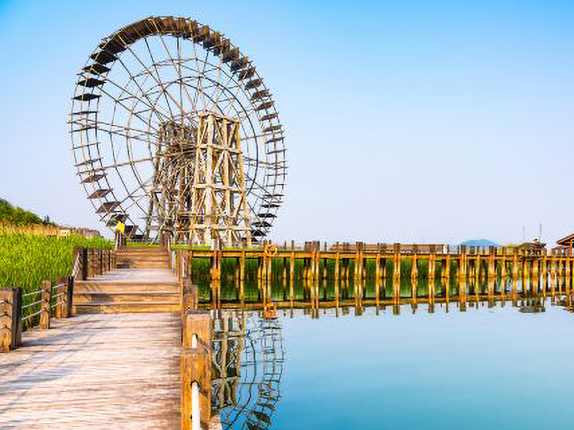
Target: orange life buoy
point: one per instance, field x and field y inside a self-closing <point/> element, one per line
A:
<point x="270" y="250"/>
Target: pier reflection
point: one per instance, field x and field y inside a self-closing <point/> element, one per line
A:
<point x="527" y="295"/>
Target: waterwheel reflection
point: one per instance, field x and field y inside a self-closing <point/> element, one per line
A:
<point x="247" y="368"/>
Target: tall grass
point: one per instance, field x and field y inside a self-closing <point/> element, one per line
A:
<point x="28" y="257"/>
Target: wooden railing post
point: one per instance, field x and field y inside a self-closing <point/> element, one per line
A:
<point x="195" y="370"/>
<point x="85" y="264"/>
<point x="10" y="318"/>
<point x="188" y="296"/>
<point x="77" y="256"/>
<point x="89" y="265"/>
<point x="61" y="298"/>
<point x="94" y="260"/>
<point x="69" y="304"/>
<point x="45" y="305"/>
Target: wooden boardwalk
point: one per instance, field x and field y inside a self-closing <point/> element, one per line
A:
<point x="106" y="371"/>
<point x="127" y="360"/>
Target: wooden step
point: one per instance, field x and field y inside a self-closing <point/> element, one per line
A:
<point x="126" y="307"/>
<point x="155" y="253"/>
<point x="144" y="265"/>
<point x="146" y="256"/>
<point x="144" y="248"/>
<point x="142" y="251"/>
<point x="123" y="296"/>
<point x="147" y="261"/>
<point x="122" y="286"/>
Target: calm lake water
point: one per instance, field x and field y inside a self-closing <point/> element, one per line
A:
<point x="501" y="367"/>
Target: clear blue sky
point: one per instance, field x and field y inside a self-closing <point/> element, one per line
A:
<point x="413" y="121"/>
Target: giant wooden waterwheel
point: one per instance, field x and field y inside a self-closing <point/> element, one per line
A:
<point x="143" y="109"/>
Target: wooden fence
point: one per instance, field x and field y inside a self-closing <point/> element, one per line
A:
<point x="20" y="311"/>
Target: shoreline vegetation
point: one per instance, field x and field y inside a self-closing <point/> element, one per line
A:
<point x="33" y="250"/>
<point x="29" y="256"/>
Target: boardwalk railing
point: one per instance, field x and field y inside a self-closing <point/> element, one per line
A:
<point x="91" y="262"/>
<point x="196" y="359"/>
<point x="21" y="311"/>
<point x="52" y="300"/>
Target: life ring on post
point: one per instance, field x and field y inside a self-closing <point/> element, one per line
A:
<point x="270" y="250"/>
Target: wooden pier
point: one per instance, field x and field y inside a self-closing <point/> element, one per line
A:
<point x="357" y="261"/>
<point x="128" y="358"/>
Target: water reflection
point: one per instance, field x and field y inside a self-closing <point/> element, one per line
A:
<point x="247" y="368"/>
<point x="328" y="293"/>
<point x="249" y="353"/>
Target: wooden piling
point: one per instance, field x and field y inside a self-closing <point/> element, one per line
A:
<point x="431" y="263"/>
<point x="10" y="318"/>
<point x="414" y="264"/>
<point x="378" y="263"/>
<point x="503" y="268"/>
<point x="462" y="291"/>
<point x="515" y="264"/>
<point x="195" y="370"/>
<point x="337" y="264"/>
<point x="357" y="262"/>
<point x="414" y="290"/>
<point x="45" y="305"/>
<point x="492" y="272"/>
<point x="397" y="262"/>
<point x="445" y="271"/>
<point x="554" y="267"/>
<point x="535" y="269"/>
<point x="462" y="263"/>
<point x="242" y="266"/>
<point x="269" y="271"/>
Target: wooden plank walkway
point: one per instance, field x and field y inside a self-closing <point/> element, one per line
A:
<point x="112" y="371"/>
<point x="157" y="275"/>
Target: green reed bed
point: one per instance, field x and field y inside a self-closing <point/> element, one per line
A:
<point x="201" y="268"/>
<point x="28" y="259"/>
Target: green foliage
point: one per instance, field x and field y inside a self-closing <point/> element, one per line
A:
<point x="18" y="216"/>
<point x="27" y="259"/>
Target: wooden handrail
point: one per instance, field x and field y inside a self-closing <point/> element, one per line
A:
<point x="87" y="261"/>
<point x="90" y="262"/>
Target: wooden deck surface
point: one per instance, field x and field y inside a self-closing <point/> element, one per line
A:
<point x="137" y="275"/>
<point x="118" y="371"/>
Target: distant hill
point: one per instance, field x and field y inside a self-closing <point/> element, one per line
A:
<point x="479" y="242"/>
<point x="15" y="215"/>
